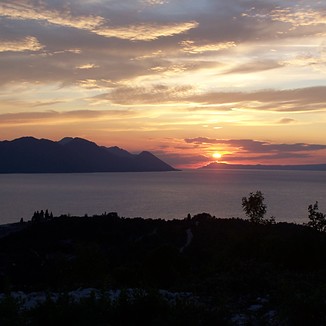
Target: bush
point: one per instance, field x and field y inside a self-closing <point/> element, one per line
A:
<point x="255" y="208"/>
<point x="317" y="219"/>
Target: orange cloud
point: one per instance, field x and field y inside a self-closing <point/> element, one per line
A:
<point x="25" y="11"/>
<point x="28" y="43"/>
<point x="190" y="46"/>
<point x="146" y="32"/>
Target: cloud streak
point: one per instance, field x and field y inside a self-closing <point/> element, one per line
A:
<point x="299" y="18"/>
<point x="255" y="146"/>
<point x="29" y="43"/>
<point x="93" y="23"/>
<point x="24" y="11"/>
<point x="26" y="118"/>
<point x="292" y="100"/>
<point x="146" y="32"/>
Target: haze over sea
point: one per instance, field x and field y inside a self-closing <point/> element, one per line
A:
<point x="165" y="195"/>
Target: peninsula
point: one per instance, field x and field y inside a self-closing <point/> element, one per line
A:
<point x="306" y="167"/>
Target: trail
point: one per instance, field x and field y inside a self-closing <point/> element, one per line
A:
<point x="188" y="241"/>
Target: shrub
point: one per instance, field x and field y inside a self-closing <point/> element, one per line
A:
<point x="317" y="219"/>
<point x="255" y="208"/>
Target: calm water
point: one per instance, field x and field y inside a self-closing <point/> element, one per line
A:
<point x="161" y="194"/>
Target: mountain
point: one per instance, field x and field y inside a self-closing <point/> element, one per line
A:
<point x="307" y="167"/>
<point x="72" y="155"/>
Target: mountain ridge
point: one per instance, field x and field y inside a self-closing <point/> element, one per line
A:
<point x="72" y="155"/>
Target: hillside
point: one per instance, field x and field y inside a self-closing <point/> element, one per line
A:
<point x="197" y="271"/>
<point x="72" y="155"/>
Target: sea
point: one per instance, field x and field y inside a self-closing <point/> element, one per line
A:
<point x="165" y="195"/>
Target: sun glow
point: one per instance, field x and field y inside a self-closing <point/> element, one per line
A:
<point x="217" y="155"/>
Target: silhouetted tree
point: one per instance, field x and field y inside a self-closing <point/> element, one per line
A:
<point x="317" y="219"/>
<point x="255" y="208"/>
<point x="41" y="216"/>
<point x="37" y="217"/>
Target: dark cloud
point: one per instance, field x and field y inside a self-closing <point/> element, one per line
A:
<point x="286" y="121"/>
<point x="255" y="146"/>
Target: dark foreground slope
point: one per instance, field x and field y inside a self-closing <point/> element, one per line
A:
<point x="31" y="155"/>
<point x="231" y="269"/>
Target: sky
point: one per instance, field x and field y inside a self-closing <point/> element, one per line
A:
<point x="237" y="81"/>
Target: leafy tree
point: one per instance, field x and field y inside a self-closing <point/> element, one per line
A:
<point x="255" y="208"/>
<point x="317" y="219"/>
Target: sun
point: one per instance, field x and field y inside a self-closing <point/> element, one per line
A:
<point x="217" y="155"/>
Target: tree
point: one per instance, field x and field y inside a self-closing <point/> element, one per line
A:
<point x="255" y="208"/>
<point x="317" y="219"/>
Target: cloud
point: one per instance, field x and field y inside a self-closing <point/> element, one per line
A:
<point x="146" y="32"/>
<point x="156" y="94"/>
<point x="255" y="146"/>
<point x="286" y="121"/>
<point x="25" y="11"/>
<point x="87" y="66"/>
<point x="27" y="118"/>
<point x="316" y="60"/>
<point x="190" y="47"/>
<point x="94" y="23"/>
<point x="240" y="151"/>
<point x="299" y="17"/>
<point x="255" y="66"/>
<point x="258" y="151"/>
<point x="290" y="100"/>
<point x="29" y="43"/>
<point x="155" y="2"/>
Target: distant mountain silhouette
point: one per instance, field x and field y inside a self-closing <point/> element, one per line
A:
<point x="72" y="155"/>
<point x="307" y="167"/>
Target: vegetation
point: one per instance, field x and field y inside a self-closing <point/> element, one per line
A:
<point x="139" y="310"/>
<point x="213" y="271"/>
<point x="255" y="208"/>
<point x="317" y="220"/>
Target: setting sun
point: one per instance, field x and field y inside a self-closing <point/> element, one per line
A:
<point x="217" y="155"/>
